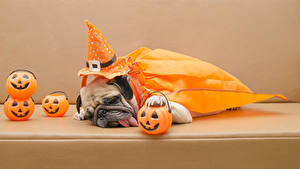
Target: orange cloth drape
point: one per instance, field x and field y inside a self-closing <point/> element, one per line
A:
<point x="198" y="85"/>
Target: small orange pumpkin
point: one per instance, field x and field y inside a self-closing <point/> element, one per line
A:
<point x="21" y="84"/>
<point x="155" y="117"/>
<point x="56" y="104"/>
<point x="18" y="110"/>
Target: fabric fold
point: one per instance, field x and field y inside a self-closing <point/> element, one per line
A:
<point x="200" y="86"/>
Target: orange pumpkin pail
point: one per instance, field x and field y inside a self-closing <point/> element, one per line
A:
<point x="18" y="110"/>
<point x="55" y="104"/>
<point x="155" y="116"/>
<point x="21" y="84"/>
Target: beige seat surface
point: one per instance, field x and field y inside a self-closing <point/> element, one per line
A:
<point x="256" y="120"/>
<point x="257" y="136"/>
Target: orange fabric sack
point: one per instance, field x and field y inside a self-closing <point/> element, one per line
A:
<point x="198" y="85"/>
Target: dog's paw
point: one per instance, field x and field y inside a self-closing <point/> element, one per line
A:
<point x="156" y="101"/>
<point x="80" y="115"/>
<point x="180" y="114"/>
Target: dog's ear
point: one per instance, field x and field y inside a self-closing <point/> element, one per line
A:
<point x="78" y="103"/>
<point x="122" y="82"/>
<point x="78" y="100"/>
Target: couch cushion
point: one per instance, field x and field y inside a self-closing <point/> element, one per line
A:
<point x="257" y="41"/>
<point x="257" y="136"/>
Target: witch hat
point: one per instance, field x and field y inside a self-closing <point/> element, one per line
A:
<point x="101" y="59"/>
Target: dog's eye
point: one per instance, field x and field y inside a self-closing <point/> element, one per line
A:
<point x="113" y="100"/>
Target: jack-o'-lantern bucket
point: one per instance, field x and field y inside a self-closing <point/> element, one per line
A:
<point x="21" y="84"/>
<point x="18" y="110"/>
<point x="55" y="104"/>
<point x="155" y="116"/>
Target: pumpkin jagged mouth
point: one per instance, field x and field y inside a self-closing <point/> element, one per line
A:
<point x="20" y="88"/>
<point x="52" y="112"/>
<point x="149" y="129"/>
<point x="20" y="115"/>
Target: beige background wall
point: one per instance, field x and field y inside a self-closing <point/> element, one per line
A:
<point x="256" y="40"/>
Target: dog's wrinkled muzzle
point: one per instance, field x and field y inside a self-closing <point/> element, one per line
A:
<point x="112" y="116"/>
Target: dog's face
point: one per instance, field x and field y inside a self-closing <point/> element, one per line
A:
<point x="107" y="103"/>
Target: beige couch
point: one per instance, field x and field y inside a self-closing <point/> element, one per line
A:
<point x="257" y="41"/>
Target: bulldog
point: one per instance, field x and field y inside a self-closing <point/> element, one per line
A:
<point x="111" y="103"/>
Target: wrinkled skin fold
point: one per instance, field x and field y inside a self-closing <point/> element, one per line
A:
<point x="110" y="115"/>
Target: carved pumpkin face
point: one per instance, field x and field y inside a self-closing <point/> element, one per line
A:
<point x="154" y="119"/>
<point x="18" y="110"/>
<point x="21" y="84"/>
<point x="55" y="105"/>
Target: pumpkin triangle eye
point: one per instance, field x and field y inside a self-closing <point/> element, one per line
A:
<point x="15" y="76"/>
<point x="154" y="115"/>
<point x="14" y="104"/>
<point x="55" y="101"/>
<point x="143" y="114"/>
<point x="25" y="77"/>
<point x="46" y="101"/>
<point x="25" y="103"/>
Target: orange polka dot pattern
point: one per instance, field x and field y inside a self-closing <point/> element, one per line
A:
<point x="98" y="48"/>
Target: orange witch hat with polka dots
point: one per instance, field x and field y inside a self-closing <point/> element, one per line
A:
<point x="101" y="59"/>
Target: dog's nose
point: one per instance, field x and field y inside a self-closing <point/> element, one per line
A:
<point x="100" y="115"/>
<point x="102" y="112"/>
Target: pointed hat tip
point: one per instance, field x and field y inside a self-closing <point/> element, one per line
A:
<point x="88" y="24"/>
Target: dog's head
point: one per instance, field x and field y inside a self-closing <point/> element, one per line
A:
<point x="109" y="103"/>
